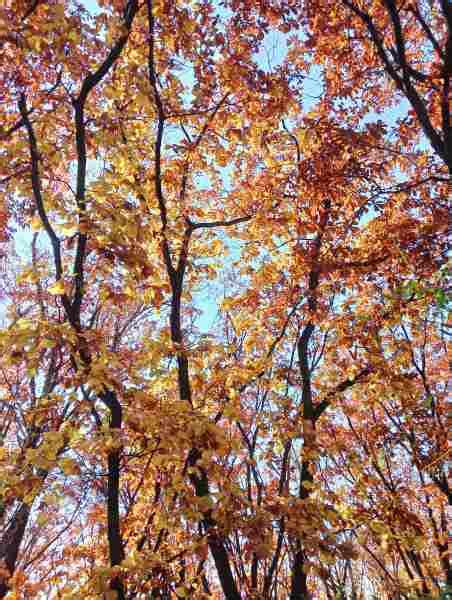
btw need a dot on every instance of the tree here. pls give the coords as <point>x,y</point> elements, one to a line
<point>148,160</point>
<point>412,44</point>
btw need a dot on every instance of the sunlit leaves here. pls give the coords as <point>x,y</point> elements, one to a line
<point>229,332</point>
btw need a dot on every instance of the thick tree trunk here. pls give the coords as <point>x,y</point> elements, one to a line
<point>299,586</point>
<point>10,543</point>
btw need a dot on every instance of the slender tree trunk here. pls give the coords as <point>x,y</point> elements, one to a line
<point>115,543</point>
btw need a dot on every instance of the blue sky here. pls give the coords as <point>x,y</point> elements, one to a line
<point>271,55</point>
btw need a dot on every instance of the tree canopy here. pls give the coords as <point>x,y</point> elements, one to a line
<point>223,240</point>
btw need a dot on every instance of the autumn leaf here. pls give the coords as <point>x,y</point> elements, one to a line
<point>57,289</point>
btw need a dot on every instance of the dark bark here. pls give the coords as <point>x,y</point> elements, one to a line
<point>214,538</point>
<point>115,542</point>
<point>10,542</point>
<point>198,477</point>
<point>299,588</point>
<point>406,77</point>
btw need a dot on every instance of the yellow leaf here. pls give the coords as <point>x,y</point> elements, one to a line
<point>50,499</point>
<point>42,519</point>
<point>57,289</point>
<point>48,343</point>
<point>23,323</point>
<point>68,229</point>
<point>73,36</point>
<point>36,223</point>
<point>279,447</point>
<point>227,304</point>
<point>69,466</point>
<point>309,485</point>
<point>216,247</point>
